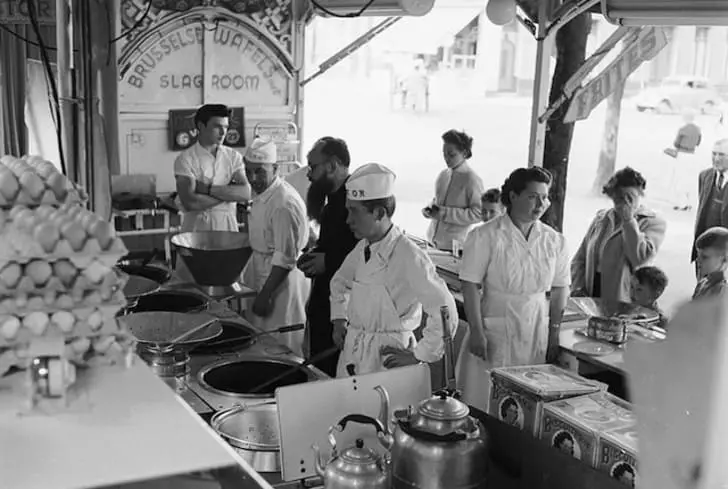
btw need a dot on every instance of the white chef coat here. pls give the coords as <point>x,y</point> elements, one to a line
<point>383,300</point>
<point>515,273</point>
<point>199,164</point>
<point>278,230</point>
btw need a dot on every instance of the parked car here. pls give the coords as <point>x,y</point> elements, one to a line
<point>676,94</point>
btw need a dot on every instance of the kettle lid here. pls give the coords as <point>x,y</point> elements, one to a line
<point>443,407</point>
<point>359,454</point>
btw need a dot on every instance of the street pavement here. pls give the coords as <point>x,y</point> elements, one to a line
<point>361,111</point>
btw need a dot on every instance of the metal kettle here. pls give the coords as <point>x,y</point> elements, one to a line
<point>437,445</point>
<point>355,467</point>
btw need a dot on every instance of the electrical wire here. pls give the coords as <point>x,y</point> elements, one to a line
<point>32,15</point>
<point>136,25</point>
<point>24,39</point>
<point>342,16</point>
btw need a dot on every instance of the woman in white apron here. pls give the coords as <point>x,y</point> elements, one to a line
<point>278,231</point>
<point>516,259</point>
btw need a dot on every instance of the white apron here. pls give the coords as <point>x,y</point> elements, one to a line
<point>289,305</point>
<point>518,338</point>
<point>373,323</point>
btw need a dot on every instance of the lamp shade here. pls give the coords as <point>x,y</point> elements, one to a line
<point>501,12</point>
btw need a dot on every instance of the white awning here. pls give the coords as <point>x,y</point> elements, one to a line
<point>428,33</point>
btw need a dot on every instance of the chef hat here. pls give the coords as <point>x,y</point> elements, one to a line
<point>371,181</point>
<point>262,151</point>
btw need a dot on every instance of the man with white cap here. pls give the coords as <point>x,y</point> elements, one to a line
<point>210,177</point>
<point>384,286</point>
<point>278,229</point>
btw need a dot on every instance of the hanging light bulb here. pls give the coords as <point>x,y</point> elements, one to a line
<point>501,12</point>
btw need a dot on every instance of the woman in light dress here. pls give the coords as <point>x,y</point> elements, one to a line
<point>509,265</point>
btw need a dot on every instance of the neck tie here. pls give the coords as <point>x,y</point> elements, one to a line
<point>721,178</point>
<point>367,253</point>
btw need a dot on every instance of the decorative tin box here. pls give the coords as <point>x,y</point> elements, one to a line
<point>618,454</point>
<point>517,394</point>
<point>575,425</point>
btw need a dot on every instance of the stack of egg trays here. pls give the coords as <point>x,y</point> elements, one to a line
<point>32,305</point>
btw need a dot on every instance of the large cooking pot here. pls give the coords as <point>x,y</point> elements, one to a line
<point>170,301</point>
<point>438,445</point>
<point>253,432</point>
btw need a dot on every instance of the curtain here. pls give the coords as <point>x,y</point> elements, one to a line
<point>13,133</point>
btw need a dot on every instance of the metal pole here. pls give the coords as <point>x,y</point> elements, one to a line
<point>541,84</point>
<point>64,64</point>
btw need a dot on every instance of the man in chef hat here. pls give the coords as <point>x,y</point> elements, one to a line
<point>384,286</point>
<point>278,230</point>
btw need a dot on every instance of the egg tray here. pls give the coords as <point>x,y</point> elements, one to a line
<point>22,304</point>
<point>48,197</point>
<point>107,285</point>
<point>87,321</point>
<point>19,247</point>
<point>100,350</point>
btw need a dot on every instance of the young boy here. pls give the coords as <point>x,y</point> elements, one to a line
<point>491,204</point>
<point>648,284</point>
<point>712,260</point>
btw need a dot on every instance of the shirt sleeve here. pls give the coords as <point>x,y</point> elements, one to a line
<point>431,291</point>
<point>476,255</point>
<point>289,230</point>
<point>183,167</point>
<point>340,284</point>
<point>562,275</point>
<point>238,169</point>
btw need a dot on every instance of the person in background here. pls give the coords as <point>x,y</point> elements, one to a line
<point>278,231</point>
<point>298,179</point>
<point>509,265</point>
<point>416,87</point>
<point>210,177</point>
<point>490,204</point>
<point>456,207</point>
<point>712,261</point>
<point>648,284</point>
<point>328,171</point>
<point>712,195</point>
<point>384,286</point>
<point>684,167</point>
<point>619,240</point>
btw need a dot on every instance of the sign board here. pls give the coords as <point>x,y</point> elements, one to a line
<point>183,133</point>
<point>16,11</point>
<point>228,64</point>
<point>649,42</point>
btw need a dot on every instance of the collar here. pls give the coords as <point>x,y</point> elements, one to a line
<point>385,246</point>
<point>507,223</point>
<point>200,149</point>
<point>714,278</point>
<point>340,194</point>
<point>462,167</point>
<point>268,193</point>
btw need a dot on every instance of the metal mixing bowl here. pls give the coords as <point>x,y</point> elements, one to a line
<point>214,258</point>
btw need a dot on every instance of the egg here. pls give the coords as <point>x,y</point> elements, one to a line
<point>39,271</point>
<point>9,327</point>
<point>47,235</point>
<point>9,186</point>
<point>57,183</point>
<point>65,271</point>
<point>64,321</point>
<point>10,275</point>
<point>75,234</point>
<point>103,232</point>
<point>36,322</point>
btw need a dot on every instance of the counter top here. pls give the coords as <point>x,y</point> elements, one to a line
<point>122,425</point>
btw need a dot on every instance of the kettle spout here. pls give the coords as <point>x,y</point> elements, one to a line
<point>318,464</point>
<point>384,408</point>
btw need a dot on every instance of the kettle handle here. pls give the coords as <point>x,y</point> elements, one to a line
<point>352,418</point>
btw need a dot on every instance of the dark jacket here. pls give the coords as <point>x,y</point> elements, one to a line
<point>706,182</point>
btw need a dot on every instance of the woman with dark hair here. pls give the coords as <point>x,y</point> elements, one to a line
<point>456,207</point>
<point>618,241</point>
<point>516,259</point>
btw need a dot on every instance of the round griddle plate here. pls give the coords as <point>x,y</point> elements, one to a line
<point>161,327</point>
<point>137,286</point>
<point>242,376</point>
<point>234,335</point>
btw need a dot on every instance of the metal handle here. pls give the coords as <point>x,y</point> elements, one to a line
<point>352,418</point>
<point>449,362</point>
<point>316,358</point>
